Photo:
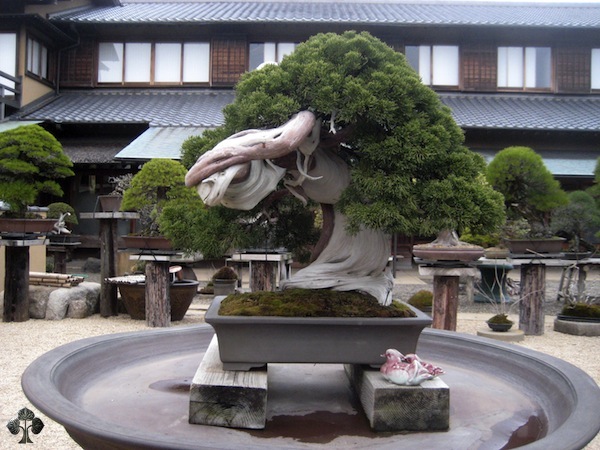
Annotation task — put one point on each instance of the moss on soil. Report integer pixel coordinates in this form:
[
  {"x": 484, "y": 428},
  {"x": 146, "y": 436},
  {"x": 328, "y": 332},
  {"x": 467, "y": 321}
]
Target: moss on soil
[
  {"x": 310, "y": 303},
  {"x": 582, "y": 310},
  {"x": 500, "y": 319}
]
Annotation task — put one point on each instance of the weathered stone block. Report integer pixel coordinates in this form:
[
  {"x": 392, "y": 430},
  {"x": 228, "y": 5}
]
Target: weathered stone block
[
  {"x": 227, "y": 398},
  {"x": 390, "y": 407},
  {"x": 84, "y": 298}
]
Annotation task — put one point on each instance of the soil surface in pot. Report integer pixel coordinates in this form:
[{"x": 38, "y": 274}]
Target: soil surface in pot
[{"x": 310, "y": 303}]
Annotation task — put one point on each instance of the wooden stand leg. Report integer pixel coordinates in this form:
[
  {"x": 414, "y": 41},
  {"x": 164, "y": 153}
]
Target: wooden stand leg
[
  {"x": 445, "y": 302},
  {"x": 533, "y": 291},
  {"x": 60, "y": 261},
  {"x": 16, "y": 284},
  {"x": 108, "y": 246},
  {"x": 263, "y": 276},
  {"x": 158, "y": 301}
]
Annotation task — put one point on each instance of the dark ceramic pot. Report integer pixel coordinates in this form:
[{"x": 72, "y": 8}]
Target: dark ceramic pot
[
  {"x": 246, "y": 342},
  {"x": 432, "y": 253},
  {"x": 147, "y": 242},
  {"x": 501, "y": 327},
  {"x": 224, "y": 287},
  {"x": 110, "y": 203},
  {"x": 527, "y": 246},
  {"x": 24, "y": 226},
  {"x": 181, "y": 294}
]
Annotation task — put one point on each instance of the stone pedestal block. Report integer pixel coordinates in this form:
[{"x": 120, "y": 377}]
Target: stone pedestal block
[
  {"x": 390, "y": 407},
  {"x": 225, "y": 397}
]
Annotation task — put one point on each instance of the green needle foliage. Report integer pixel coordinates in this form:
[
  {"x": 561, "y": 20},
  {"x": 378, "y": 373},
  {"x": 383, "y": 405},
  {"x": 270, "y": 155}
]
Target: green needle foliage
[
  {"x": 410, "y": 171},
  {"x": 530, "y": 191},
  {"x": 31, "y": 160}
]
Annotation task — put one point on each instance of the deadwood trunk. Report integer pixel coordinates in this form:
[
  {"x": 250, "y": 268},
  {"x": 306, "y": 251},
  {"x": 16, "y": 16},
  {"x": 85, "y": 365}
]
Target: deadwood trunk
[{"x": 263, "y": 276}]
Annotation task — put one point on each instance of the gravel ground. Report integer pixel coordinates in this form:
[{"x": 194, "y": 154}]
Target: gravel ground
[{"x": 24, "y": 342}]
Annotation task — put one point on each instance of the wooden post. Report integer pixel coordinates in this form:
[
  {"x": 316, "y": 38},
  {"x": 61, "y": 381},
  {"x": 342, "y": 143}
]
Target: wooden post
[
  {"x": 263, "y": 276},
  {"x": 108, "y": 248},
  {"x": 445, "y": 293},
  {"x": 158, "y": 301},
  {"x": 16, "y": 284},
  {"x": 445, "y": 302},
  {"x": 533, "y": 291}
]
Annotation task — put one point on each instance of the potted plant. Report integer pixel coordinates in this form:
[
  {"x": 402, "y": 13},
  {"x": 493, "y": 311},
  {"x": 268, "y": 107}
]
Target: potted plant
[
  {"x": 133, "y": 295},
  {"x": 31, "y": 160},
  {"x": 158, "y": 183},
  {"x": 530, "y": 194},
  {"x": 345, "y": 122},
  {"x": 577, "y": 221},
  {"x": 500, "y": 322},
  {"x": 112, "y": 202},
  {"x": 224, "y": 281},
  {"x": 65, "y": 217}
]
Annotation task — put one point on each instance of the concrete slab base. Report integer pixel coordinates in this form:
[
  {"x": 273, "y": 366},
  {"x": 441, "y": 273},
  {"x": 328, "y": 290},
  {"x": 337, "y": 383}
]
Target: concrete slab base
[
  {"x": 390, "y": 407},
  {"x": 227, "y": 398},
  {"x": 577, "y": 328},
  {"x": 505, "y": 336}
]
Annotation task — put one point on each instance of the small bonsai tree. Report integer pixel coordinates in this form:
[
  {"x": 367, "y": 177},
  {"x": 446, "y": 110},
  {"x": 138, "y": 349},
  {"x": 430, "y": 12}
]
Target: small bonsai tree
[
  {"x": 225, "y": 273},
  {"x": 578, "y": 221},
  {"x": 31, "y": 160},
  {"x": 529, "y": 189},
  {"x": 159, "y": 182},
  {"x": 55, "y": 210}
]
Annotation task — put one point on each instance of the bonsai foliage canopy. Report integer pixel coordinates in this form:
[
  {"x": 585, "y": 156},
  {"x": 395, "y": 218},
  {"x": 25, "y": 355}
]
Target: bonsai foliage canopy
[
  {"x": 529, "y": 189},
  {"x": 31, "y": 160},
  {"x": 158, "y": 183},
  {"x": 410, "y": 172}
]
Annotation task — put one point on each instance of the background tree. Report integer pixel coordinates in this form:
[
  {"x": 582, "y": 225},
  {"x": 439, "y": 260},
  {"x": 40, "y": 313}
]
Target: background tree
[
  {"x": 578, "y": 221},
  {"x": 159, "y": 182},
  {"x": 410, "y": 172},
  {"x": 530, "y": 191},
  {"x": 31, "y": 160}
]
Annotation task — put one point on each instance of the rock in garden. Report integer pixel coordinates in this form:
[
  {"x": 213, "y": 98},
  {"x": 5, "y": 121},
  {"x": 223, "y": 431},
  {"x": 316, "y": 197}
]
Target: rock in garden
[{"x": 83, "y": 297}]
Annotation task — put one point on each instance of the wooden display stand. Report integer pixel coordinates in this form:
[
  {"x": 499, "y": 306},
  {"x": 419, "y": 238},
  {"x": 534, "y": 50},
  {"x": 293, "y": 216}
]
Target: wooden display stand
[
  {"x": 445, "y": 293},
  {"x": 108, "y": 256},
  {"x": 16, "y": 281}
]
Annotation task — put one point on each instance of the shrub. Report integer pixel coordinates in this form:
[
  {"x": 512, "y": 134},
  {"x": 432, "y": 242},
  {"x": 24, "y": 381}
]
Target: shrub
[
  {"x": 58, "y": 208},
  {"x": 225, "y": 273},
  {"x": 421, "y": 299}
]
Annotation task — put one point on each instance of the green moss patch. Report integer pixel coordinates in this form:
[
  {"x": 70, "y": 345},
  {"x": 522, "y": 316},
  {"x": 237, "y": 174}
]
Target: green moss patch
[
  {"x": 310, "y": 303},
  {"x": 582, "y": 310}
]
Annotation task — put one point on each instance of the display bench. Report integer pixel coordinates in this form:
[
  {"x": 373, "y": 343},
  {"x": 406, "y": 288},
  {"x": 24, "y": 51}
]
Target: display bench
[{"x": 261, "y": 268}]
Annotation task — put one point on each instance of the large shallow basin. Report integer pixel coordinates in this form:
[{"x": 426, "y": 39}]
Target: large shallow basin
[{"x": 132, "y": 391}]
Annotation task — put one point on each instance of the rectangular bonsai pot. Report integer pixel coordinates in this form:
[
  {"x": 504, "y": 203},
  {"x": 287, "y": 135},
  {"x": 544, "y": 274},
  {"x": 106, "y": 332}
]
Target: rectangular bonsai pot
[{"x": 253, "y": 341}]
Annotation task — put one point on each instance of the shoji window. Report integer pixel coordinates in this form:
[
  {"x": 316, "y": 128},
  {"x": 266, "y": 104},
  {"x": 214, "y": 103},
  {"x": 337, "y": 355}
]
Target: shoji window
[
  {"x": 525, "y": 67},
  {"x": 437, "y": 65}
]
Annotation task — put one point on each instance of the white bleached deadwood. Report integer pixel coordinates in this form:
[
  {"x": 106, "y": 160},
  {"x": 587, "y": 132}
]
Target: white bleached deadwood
[{"x": 348, "y": 261}]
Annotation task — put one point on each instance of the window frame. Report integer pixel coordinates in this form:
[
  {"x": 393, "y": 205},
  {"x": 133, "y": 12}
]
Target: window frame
[
  {"x": 37, "y": 61},
  {"x": 150, "y": 64},
  {"x": 595, "y": 69},
  {"x": 276, "y": 49},
  {"x": 524, "y": 67},
  {"x": 428, "y": 69}
]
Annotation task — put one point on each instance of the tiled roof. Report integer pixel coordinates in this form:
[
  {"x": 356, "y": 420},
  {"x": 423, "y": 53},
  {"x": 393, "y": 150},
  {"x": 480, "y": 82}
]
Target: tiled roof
[
  {"x": 499, "y": 14},
  {"x": 525, "y": 112},
  {"x": 203, "y": 108},
  {"x": 159, "y": 142},
  {"x": 193, "y": 108}
]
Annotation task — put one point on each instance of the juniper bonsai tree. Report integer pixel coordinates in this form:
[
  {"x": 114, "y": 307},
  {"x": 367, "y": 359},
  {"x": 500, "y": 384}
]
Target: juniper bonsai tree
[
  {"x": 376, "y": 148},
  {"x": 578, "y": 221},
  {"x": 31, "y": 160},
  {"x": 529, "y": 189},
  {"x": 159, "y": 182}
]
